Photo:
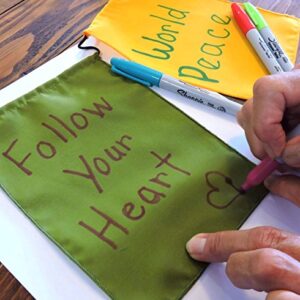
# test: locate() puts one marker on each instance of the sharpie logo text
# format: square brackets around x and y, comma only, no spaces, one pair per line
[185,94]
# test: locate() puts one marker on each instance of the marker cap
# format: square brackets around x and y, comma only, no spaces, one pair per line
[242,18]
[136,72]
[255,16]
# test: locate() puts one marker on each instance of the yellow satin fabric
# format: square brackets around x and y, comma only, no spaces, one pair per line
[197,41]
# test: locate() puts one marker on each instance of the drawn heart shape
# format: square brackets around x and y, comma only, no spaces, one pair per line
[223,192]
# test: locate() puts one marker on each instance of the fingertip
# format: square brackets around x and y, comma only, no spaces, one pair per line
[196,245]
[291,153]
[285,186]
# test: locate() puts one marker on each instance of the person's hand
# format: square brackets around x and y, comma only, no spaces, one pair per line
[273,110]
[262,258]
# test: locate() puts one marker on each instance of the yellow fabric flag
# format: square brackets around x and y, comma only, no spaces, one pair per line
[196,41]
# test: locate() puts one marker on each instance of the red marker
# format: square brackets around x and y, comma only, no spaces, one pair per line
[255,39]
[265,168]
[259,174]
[242,18]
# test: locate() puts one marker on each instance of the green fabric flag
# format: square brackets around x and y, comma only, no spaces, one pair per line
[119,179]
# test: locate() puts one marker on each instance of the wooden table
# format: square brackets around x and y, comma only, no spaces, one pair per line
[34,31]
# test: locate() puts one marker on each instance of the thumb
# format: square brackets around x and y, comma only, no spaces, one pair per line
[291,153]
[286,186]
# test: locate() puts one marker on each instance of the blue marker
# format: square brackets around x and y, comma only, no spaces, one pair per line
[150,77]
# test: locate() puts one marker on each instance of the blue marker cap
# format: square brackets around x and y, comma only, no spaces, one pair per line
[136,72]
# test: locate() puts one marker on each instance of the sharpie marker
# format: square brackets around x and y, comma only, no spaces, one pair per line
[150,77]
[255,39]
[265,168]
[269,37]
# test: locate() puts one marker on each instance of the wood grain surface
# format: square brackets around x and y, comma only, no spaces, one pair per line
[34,31]
[10,288]
[6,5]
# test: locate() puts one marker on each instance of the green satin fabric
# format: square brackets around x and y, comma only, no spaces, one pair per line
[119,179]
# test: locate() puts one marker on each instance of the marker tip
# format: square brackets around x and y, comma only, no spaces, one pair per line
[242,191]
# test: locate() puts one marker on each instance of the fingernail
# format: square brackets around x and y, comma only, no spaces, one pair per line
[196,245]
[269,181]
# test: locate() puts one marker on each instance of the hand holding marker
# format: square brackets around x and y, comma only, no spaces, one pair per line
[268,36]
[265,168]
[268,165]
